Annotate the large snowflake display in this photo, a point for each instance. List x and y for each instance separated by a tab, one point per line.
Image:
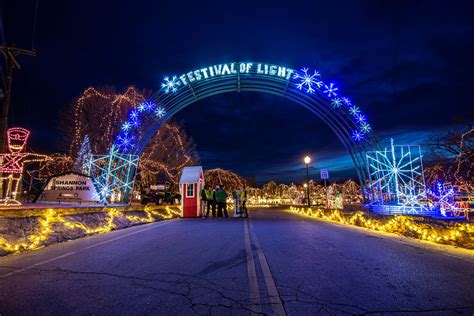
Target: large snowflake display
170	84
310	82
396	178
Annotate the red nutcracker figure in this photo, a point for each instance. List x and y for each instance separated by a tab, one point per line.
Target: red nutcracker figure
13	163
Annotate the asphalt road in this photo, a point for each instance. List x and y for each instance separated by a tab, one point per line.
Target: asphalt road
275	263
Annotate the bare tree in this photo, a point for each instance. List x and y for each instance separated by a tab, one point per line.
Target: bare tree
230	180
166	154
452	158
97	115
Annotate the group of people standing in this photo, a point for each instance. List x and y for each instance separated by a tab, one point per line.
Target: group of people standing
215	201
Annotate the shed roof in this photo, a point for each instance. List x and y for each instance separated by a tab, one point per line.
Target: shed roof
191	174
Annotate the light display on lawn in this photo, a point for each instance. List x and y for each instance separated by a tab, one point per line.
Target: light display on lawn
304	87
113	174
397	179
13	164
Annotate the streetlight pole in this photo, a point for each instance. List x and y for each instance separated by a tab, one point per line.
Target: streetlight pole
307	160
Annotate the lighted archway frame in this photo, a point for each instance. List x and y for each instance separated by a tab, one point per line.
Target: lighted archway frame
304	87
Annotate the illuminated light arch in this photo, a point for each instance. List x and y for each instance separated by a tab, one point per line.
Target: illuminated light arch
303	86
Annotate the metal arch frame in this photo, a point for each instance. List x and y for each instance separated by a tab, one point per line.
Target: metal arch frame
337	119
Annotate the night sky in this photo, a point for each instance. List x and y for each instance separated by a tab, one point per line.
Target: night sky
407	64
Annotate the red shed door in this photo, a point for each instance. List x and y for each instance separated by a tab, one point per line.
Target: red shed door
189	200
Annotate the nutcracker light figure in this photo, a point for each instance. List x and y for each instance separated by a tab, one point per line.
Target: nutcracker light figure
12	164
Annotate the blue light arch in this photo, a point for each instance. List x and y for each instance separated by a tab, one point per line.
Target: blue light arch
304	87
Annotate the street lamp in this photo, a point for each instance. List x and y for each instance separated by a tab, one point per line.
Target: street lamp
307	160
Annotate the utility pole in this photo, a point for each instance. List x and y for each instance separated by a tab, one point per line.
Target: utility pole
9	53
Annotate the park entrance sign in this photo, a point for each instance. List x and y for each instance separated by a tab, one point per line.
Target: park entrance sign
304	86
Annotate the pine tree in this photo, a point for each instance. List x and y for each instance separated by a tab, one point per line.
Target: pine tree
83	155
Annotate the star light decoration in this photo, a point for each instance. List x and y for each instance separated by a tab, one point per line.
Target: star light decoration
309	82
170	85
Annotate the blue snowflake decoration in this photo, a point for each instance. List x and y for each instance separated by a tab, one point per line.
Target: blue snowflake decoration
330	90
354	110
307	81
126	127
125	142
337	102
141	107
170	85
160	112
346	101
365	127
146	106
358	135
360	118
134	115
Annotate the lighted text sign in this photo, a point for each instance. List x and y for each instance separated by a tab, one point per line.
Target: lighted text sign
236	68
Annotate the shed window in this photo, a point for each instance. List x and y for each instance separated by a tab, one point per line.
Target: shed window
189	190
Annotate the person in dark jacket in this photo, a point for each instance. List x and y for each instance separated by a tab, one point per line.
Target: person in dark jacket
203	200
221	198
214	201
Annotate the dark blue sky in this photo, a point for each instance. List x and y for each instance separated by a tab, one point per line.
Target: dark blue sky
407	64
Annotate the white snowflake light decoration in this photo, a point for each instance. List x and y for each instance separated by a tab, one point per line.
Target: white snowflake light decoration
126	126
141	107
354	110
358	135
365	127
330	90
360	118
308	81
346	101
160	112
336	102
396	177
170	85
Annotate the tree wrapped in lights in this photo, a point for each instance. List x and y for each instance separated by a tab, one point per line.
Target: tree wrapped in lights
452	159
83	155
97	113
97	116
58	163
165	156
230	180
